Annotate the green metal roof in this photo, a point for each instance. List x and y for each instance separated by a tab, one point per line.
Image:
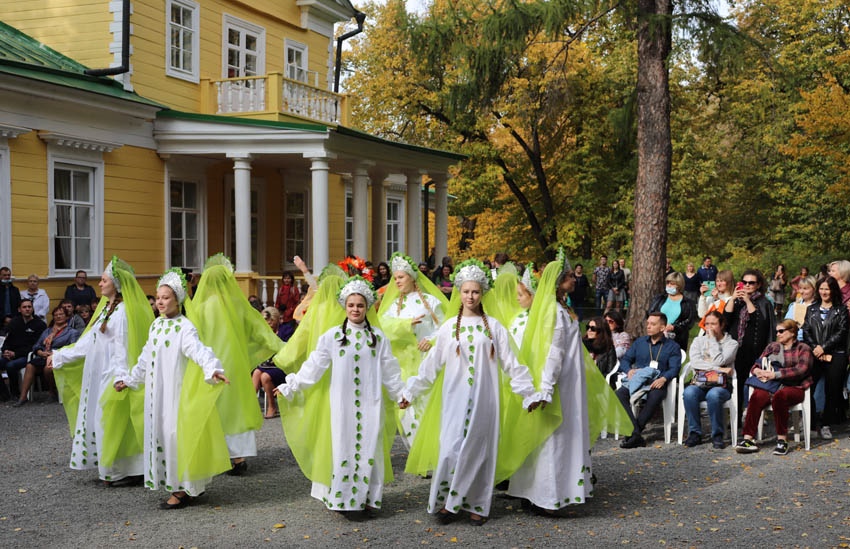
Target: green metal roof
241	121
21	55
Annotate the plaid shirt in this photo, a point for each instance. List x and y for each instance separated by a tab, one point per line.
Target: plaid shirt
798	363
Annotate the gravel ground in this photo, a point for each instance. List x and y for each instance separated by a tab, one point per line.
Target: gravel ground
663	495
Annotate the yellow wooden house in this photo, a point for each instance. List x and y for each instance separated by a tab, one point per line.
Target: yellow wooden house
220	131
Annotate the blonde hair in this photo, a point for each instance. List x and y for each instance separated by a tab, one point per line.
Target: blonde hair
677	279
271	312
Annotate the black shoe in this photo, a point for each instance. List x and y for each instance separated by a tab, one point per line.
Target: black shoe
445	517
693	439
781	448
135	480
634	441
182	501
717	442
746	446
19	403
238	469
477	521
503	485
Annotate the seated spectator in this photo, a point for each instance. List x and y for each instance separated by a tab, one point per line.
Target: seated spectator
680	311
383	276
267	375
780	381
656	351
24	331
254	300
621	338
75	321
600	345
79	292
85	312
40	301
443	280
716	299
713	352
152	301
423	268
10	295
56	336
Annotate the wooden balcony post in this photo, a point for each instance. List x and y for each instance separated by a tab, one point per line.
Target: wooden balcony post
205	97
274	88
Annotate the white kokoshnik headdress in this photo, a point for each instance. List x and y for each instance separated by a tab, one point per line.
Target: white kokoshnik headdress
174	279
357	285
472	270
110	272
528	280
401	262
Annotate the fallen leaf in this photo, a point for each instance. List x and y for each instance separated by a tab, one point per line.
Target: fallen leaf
453	539
278	526
22	490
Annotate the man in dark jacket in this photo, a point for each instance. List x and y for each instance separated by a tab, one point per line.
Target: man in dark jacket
24	331
10	296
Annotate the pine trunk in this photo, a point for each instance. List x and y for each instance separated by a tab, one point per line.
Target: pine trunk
652	191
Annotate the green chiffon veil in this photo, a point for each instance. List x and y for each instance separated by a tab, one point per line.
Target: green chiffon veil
240	338
505	306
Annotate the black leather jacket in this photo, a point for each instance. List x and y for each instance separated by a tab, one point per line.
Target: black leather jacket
830	333
686	319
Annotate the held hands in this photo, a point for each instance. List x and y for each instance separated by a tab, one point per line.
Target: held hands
534	405
764	375
424	345
119	386
818	351
404	404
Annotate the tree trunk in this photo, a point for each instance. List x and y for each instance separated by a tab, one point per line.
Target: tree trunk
652	191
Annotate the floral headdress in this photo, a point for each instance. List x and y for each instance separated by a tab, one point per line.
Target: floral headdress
402	262
562	260
111	271
529	280
176	280
354	266
472	270
357	285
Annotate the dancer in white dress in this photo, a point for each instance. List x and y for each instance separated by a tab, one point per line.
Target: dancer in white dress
178	456
558	473
525	290
464	405
412	310
83	371
361	368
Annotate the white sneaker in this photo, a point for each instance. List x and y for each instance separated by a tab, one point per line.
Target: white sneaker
825	433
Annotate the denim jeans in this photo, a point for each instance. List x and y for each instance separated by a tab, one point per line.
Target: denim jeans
13	370
714	397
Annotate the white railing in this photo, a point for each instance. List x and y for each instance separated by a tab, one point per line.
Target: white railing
246	94
266	283
310	102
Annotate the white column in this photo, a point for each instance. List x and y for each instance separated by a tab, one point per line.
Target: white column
319	212
242	212
414	215
379	215
360	214
441	223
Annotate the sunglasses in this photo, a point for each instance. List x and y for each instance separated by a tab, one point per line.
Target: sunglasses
781	330
750	282
592	328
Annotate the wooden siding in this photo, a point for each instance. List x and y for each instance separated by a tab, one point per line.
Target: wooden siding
76	28
28	157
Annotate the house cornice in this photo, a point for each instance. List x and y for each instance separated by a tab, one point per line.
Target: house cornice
321	15
76	142
8	131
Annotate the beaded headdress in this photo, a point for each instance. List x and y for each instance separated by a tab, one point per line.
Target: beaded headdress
529	280
472	270
176	280
357	285
401	262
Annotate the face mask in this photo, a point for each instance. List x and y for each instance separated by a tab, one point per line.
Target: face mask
4	281
671	291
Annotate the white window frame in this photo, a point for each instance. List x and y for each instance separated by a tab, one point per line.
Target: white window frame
92	161
231	22
349	221
5	206
199	210
301	71
308	252
195	47
397	199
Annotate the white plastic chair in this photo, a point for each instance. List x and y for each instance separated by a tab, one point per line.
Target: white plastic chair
730	405
668	406
805	410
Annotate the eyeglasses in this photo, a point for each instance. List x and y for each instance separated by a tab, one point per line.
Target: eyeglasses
609	321
592	328
781	330
749	282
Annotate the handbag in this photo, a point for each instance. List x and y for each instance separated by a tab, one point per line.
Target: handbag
771	385
709	378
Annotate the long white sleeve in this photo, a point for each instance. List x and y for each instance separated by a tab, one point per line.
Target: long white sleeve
192	347
76	351
709	354
554	360
137	374
521	380
390	369
313	368
117	328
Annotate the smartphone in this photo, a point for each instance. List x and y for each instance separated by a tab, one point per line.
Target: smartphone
711	284
739	286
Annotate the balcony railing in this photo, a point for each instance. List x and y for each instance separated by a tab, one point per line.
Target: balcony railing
272	93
